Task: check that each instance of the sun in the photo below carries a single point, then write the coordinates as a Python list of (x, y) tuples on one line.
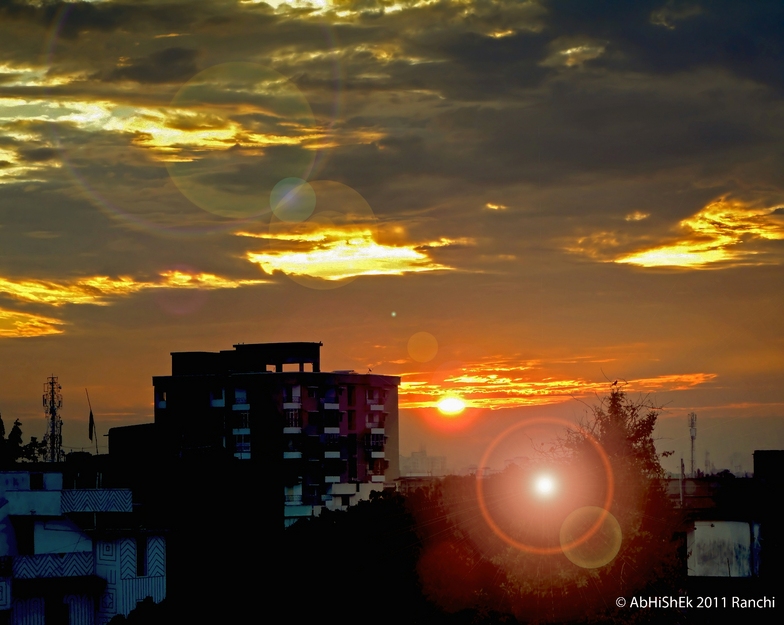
[(451, 406)]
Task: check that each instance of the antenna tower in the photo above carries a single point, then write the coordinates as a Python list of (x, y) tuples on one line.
[(693, 434), (53, 439)]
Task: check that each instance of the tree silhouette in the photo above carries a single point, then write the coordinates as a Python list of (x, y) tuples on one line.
[(570, 585), (12, 449)]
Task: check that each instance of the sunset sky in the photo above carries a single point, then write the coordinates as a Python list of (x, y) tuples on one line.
[(511, 202)]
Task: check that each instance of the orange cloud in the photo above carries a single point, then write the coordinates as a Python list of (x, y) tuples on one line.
[(505, 385)]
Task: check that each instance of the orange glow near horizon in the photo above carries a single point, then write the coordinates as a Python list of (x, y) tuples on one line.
[(495, 386)]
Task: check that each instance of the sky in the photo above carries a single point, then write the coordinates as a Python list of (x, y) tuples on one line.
[(516, 203)]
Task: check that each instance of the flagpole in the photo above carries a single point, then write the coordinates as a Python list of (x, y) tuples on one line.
[(91, 426)]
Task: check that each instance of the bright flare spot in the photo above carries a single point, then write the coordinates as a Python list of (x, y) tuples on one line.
[(544, 485), (451, 406)]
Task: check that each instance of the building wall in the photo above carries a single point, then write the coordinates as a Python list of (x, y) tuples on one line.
[(116, 562), (309, 435), (723, 549)]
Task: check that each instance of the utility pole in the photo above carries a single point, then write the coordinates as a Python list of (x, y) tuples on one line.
[(53, 439), (693, 434)]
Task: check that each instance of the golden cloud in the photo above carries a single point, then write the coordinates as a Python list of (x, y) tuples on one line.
[(714, 235), (507, 385), (97, 289), (17, 324), (335, 254)]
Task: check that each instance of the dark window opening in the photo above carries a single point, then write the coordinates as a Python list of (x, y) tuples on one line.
[(141, 556), (56, 612)]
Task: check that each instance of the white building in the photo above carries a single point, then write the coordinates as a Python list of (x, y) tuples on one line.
[(71, 556)]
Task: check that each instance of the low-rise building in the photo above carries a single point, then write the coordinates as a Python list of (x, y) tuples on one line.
[(73, 555)]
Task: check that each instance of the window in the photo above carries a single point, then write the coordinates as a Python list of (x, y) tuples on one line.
[(352, 395), (312, 392), (242, 419), (293, 419), (240, 396), (36, 481), (292, 394), (242, 444)]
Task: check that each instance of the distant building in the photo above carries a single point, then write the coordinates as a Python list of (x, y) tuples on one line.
[(73, 555), (733, 525), (314, 439), (419, 464)]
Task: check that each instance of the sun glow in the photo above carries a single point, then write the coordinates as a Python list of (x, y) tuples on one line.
[(451, 406)]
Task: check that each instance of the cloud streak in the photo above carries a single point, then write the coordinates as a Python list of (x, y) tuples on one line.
[(99, 290), (14, 324), (495, 386)]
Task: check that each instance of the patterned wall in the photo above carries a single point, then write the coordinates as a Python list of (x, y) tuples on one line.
[(116, 563), (29, 612), (5, 594), (96, 500), (53, 565)]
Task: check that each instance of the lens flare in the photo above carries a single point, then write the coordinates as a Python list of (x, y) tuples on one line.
[(422, 347), (451, 406), (601, 546)]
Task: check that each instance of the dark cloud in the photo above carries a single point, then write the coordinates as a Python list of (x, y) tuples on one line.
[(171, 65), (744, 38), (38, 155)]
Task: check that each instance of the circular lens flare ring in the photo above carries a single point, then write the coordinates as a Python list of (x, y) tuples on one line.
[(564, 546)]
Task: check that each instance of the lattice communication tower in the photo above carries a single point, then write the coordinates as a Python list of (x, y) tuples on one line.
[(53, 439), (693, 435)]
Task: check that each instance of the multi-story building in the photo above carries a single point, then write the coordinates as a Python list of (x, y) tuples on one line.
[(73, 555), (315, 439)]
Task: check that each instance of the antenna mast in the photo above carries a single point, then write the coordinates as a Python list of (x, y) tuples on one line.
[(693, 434), (53, 439)]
